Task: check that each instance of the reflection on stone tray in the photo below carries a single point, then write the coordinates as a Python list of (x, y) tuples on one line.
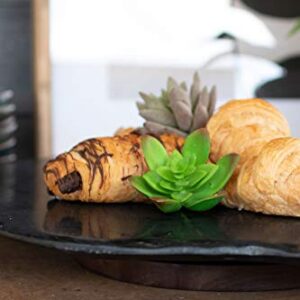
[(129, 221), (144, 222), (107, 222)]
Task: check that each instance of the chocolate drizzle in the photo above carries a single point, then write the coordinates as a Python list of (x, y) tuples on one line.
[(52, 171), (94, 160), (136, 150), (126, 177)]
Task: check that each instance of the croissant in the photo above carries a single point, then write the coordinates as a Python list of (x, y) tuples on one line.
[(243, 124), (98, 170), (270, 183), (268, 176)]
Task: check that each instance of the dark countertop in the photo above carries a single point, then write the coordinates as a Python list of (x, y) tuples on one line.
[(32, 272)]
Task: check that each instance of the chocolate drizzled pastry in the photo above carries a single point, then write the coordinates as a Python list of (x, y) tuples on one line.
[(99, 169)]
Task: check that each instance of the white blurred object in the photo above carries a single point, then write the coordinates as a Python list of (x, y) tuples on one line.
[(249, 71), (93, 30), (247, 27), (279, 27)]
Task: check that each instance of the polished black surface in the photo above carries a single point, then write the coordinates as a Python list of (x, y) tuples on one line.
[(27, 213)]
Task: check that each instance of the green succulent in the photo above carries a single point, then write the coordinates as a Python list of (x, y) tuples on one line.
[(186, 178)]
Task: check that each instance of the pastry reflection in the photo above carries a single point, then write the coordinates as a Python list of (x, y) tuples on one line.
[(107, 222), (130, 221), (144, 222)]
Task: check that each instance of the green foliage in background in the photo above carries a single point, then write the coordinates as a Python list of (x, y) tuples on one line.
[(295, 28)]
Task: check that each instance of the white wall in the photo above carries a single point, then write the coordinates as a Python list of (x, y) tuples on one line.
[(95, 100), (290, 108), (87, 104)]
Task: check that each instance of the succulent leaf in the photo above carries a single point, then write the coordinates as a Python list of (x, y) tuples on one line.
[(163, 116), (165, 173), (184, 179), (204, 204), (174, 160), (157, 128), (183, 86), (200, 117), (181, 107), (195, 89), (151, 101), (212, 101), (168, 205), (154, 152), (191, 164), (226, 166), (171, 83), (210, 170), (196, 176), (175, 156), (153, 180), (204, 97), (179, 176), (164, 98), (171, 186), (197, 143), (141, 105), (181, 196), (142, 186), (182, 165)]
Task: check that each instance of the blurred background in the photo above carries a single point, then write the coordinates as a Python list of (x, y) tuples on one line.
[(76, 66)]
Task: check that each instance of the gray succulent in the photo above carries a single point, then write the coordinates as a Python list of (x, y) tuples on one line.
[(178, 110)]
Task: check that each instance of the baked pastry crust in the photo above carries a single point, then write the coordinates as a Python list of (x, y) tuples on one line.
[(271, 182), (98, 170), (249, 120), (268, 176)]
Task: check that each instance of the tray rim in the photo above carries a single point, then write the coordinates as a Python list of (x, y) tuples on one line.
[(217, 253)]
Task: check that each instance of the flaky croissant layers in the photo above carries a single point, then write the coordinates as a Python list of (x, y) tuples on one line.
[(98, 170), (268, 177)]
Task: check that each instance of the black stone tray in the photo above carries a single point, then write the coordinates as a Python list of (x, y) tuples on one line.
[(29, 214)]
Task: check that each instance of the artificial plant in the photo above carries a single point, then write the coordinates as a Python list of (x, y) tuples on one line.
[(184, 178)]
